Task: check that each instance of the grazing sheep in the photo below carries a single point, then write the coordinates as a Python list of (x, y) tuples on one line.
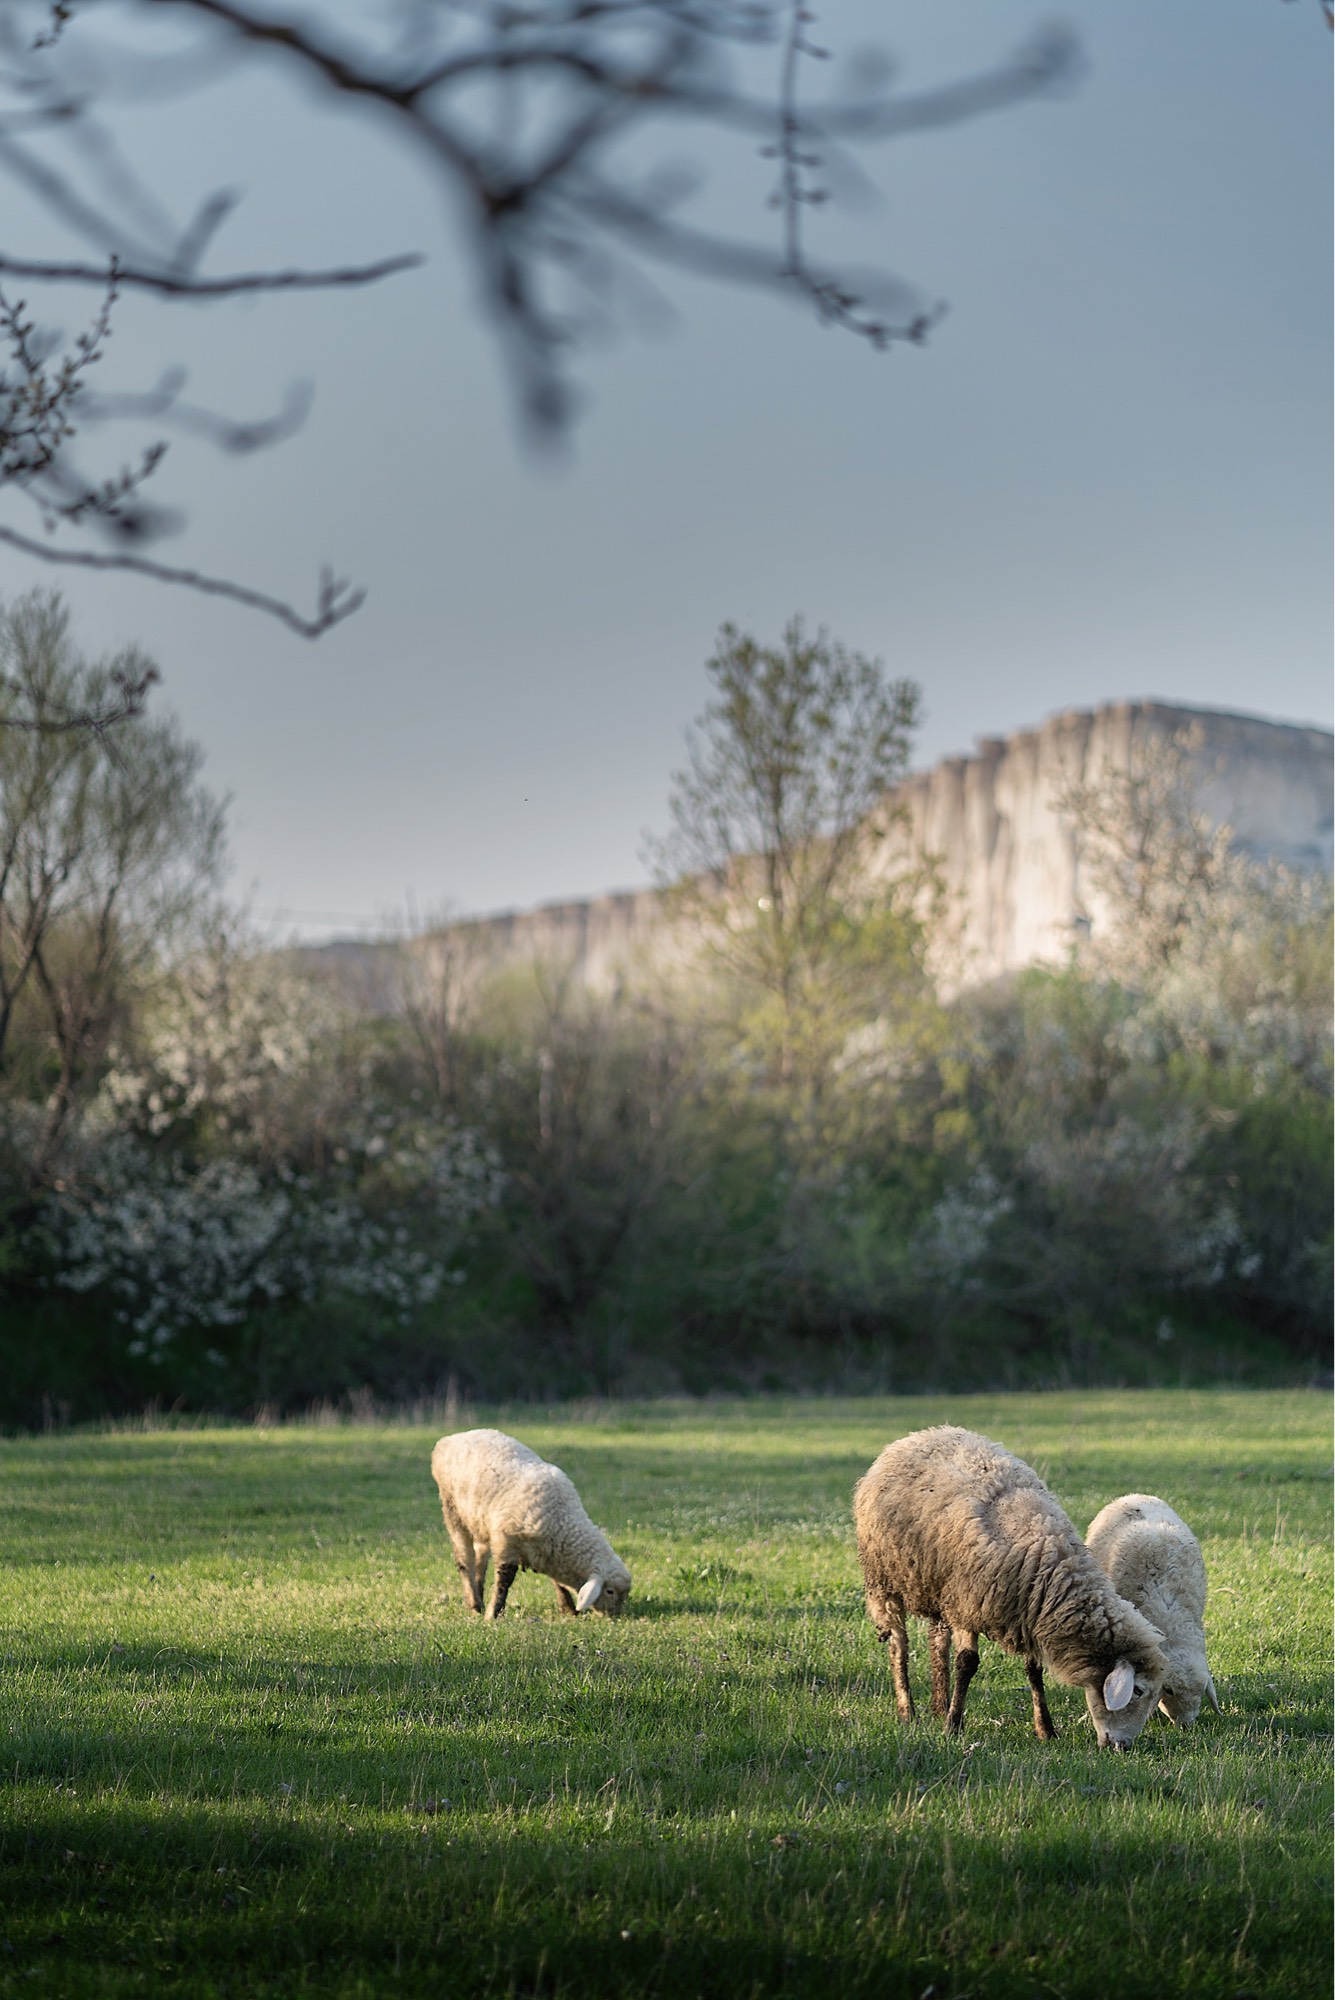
[(1152, 1559), (501, 1500), (957, 1530)]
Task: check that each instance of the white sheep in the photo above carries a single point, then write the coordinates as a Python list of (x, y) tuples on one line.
[(1151, 1558), (957, 1530), (501, 1501)]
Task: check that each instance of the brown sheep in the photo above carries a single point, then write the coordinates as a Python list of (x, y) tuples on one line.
[(957, 1530)]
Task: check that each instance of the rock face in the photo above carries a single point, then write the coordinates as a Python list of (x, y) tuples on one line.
[(1009, 859), (598, 941)]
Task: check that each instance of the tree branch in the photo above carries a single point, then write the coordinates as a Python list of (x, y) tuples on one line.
[(336, 601), (170, 286)]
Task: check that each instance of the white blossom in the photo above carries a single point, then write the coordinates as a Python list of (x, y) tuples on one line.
[(959, 1230)]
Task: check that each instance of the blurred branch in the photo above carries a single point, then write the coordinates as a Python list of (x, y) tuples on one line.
[(128, 278), (797, 191), (38, 400), (95, 721), (522, 113), (336, 599)]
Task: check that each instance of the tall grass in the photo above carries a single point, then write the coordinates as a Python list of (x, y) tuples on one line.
[(252, 1744)]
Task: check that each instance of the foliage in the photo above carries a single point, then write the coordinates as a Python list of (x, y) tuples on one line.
[(107, 848), (1159, 860), (204, 1249), (254, 1741), (243, 1155), (586, 1112), (819, 959), (789, 765), (785, 1158)]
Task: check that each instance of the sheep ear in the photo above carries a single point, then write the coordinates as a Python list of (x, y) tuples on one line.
[(1119, 1686), (589, 1593), (1211, 1696)]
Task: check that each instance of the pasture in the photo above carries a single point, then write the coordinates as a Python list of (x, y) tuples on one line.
[(252, 1744)]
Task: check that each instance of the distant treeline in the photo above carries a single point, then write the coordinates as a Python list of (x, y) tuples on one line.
[(223, 1184)]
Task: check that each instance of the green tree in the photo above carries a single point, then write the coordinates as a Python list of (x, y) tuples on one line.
[(781, 861), (107, 844), (778, 819), (585, 1107)]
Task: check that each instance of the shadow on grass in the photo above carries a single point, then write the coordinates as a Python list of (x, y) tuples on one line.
[(212, 1742), (237, 1900)]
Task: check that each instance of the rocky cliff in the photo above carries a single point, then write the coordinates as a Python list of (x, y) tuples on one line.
[(1008, 856)]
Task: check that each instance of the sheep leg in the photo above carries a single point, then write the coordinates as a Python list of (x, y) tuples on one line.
[(940, 1639), (566, 1599), (1044, 1726), (506, 1572), (887, 1615), (472, 1586), (966, 1666), (464, 1557)]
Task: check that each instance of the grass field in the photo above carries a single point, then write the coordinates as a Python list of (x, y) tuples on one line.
[(252, 1744)]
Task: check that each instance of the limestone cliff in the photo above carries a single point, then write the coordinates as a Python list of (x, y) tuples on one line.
[(1008, 857)]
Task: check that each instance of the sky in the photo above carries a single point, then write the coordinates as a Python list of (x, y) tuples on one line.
[(1106, 476)]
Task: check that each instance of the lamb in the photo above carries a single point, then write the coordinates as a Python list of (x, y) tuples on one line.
[(1152, 1559), (957, 1530), (501, 1500)]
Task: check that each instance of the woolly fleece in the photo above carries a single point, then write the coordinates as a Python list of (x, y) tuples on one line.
[(1152, 1559), (502, 1502), (954, 1528)]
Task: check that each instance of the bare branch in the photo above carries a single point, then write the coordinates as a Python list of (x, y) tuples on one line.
[(163, 403), (61, 11), (520, 112), (90, 721), (36, 403), (544, 176), (180, 287), (336, 600), (35, 429)]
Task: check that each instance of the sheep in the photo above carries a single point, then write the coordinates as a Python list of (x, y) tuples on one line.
[(957, 1530), (501, 1500), (1151, 1558)]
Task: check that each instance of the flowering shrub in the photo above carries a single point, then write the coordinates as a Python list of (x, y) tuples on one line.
[(236, 1051), (241, 1154), (1250, 990), (182, 1248), (959, 1232)]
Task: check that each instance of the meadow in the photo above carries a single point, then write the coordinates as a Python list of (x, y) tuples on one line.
[(252, 1744)]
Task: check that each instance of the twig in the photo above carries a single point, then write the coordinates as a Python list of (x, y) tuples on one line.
[(134, 691), (211, 288), (336, 601)]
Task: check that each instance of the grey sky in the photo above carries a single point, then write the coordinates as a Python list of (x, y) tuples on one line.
[(1107, 475)]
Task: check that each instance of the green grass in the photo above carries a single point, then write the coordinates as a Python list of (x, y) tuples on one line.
[(251, 1743)]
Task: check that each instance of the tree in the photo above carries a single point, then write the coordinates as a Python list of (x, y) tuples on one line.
[(585, 1108), (443, 970), (1158, 1111), (785, 795), (528, 119), (824, 1016), (1161, 863), (106, 845)]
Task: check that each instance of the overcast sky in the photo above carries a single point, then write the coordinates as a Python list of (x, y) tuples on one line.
[(1107, 475)]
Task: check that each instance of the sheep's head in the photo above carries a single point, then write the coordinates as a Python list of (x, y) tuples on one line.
[(1121, 1704), (1188, 1685), (601, 1593)]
